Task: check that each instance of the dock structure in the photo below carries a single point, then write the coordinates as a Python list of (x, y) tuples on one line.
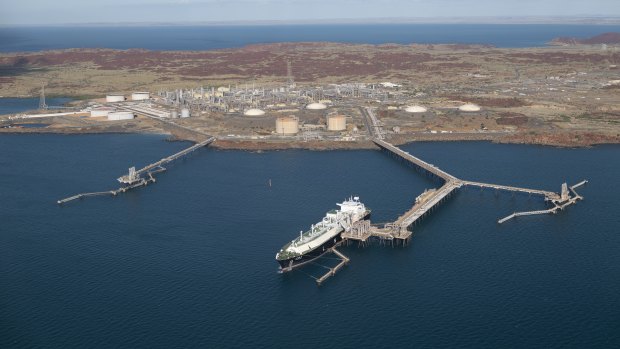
[(134, 178), (549, 195), (451, 183), (134, 175), (344, 260), (417, 162), (565, 200), (399, 230)]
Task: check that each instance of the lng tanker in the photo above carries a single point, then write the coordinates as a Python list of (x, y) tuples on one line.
[(322, 235)]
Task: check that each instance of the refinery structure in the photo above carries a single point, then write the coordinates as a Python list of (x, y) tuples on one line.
[(284, 111), (329, 112)]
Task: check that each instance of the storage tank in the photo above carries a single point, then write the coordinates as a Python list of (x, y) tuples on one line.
[(469, 108), (287, 125), (415, 109), (254, 112), (120, 115), (316, 106), (185, 113), (336, 122), (98, 112), (140, 96), (114, 97)]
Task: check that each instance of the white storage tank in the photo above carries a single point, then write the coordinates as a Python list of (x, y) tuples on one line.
[(469, 107), (316, 106), (99, 112), (254, 112), (336, 122), (287, 125), (416, 109), (185, 113), (114, 97), (140, 96), (120, 115)]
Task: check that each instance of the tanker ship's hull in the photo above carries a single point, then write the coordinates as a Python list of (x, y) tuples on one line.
[(294, 262)]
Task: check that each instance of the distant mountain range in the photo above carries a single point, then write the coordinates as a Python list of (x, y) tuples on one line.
[(605, 38)]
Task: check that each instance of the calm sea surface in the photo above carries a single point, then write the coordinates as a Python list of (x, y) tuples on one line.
[(17, 105), (216, 37), (189, 261)]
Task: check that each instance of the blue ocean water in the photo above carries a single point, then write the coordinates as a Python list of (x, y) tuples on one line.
[(189, 260), (10, 105), (216, 37)]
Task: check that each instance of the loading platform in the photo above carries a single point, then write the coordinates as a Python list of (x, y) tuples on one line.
[(142, 177), (398, 231), (451, 183)]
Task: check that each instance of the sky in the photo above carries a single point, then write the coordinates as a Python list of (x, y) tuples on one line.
[(41, 12)]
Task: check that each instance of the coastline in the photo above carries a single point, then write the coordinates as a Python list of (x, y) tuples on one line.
[(559, 140)]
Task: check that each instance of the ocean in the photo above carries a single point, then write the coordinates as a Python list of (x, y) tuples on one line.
[(189, 261), (182, 38), (10, 105)]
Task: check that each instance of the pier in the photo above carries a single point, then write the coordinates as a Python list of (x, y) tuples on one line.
[(344, 260), (558, 205), (134, 178), (399, 230), (451, 183)]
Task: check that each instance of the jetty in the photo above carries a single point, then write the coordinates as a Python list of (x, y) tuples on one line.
[(399, 230), (142, 177), (344, 260)]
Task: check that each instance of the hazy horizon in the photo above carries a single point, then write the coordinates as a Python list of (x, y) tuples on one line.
[(187, 12)]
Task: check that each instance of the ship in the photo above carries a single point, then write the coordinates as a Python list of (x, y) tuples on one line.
[(321, 236)]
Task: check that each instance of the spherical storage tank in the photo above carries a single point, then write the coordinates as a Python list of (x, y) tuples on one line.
[(254, 112), (469, 107), (140, 96), (120, 115), (185, 113), (287, 125), (415, 109), (316, 106), (113, 97), (336, 123)]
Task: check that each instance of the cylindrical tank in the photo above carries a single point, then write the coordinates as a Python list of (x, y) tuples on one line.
[(336, 123), (254, 112), (287, 125), (174, 114), (98, 112), (416, 109), (120, 115), (185, 113), (469, 107), (316, 106), (113, 97), (140, 96)]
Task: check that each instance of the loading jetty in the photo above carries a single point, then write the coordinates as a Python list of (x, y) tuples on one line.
[(398, 232), (142, 177)]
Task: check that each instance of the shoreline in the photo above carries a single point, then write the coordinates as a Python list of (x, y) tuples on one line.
[(542, 139)]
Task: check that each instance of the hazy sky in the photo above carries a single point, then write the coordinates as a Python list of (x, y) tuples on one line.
[(123, 11)]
